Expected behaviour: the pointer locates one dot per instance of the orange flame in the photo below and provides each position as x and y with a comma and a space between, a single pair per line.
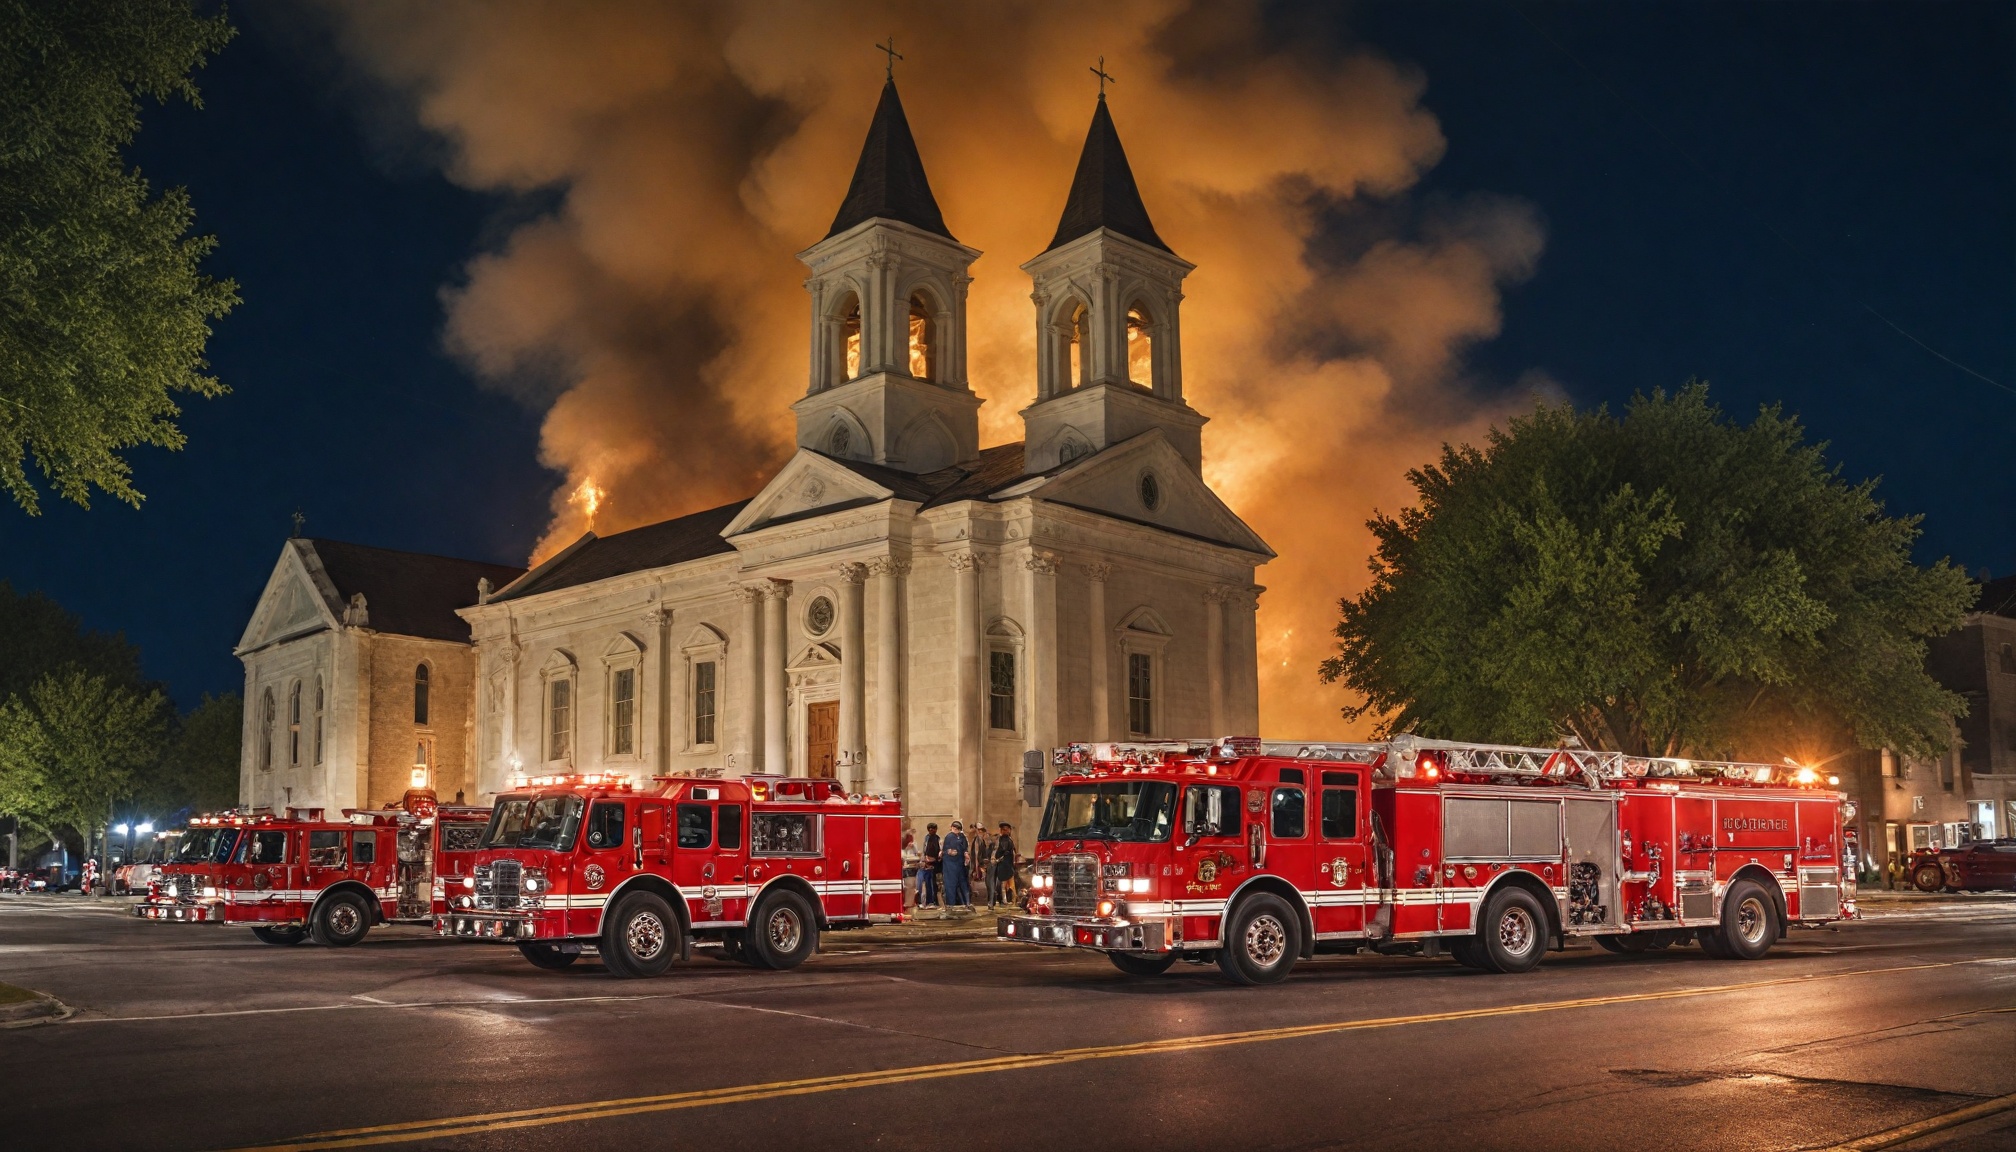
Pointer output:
588, 498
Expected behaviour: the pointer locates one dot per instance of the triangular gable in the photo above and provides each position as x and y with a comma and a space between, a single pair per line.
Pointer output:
299, 598
808, 482
1110, 482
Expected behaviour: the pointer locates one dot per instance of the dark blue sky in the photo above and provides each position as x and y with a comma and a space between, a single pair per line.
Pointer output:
1737, 192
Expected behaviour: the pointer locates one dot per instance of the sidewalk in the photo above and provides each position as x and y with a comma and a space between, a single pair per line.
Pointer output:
926, 927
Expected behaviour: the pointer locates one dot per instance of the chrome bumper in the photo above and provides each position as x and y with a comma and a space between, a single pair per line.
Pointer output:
1099, 935
209, 912
486, 926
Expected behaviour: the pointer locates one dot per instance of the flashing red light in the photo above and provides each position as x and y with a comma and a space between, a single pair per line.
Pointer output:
1427, 766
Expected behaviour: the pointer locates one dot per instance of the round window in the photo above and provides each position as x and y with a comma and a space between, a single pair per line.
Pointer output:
1151, 491
819, 616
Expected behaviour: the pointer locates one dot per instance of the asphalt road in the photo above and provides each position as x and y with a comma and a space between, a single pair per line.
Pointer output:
195, 1037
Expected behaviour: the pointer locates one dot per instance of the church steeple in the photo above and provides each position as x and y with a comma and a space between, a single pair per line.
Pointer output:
889, 181
888, 287
1109, 346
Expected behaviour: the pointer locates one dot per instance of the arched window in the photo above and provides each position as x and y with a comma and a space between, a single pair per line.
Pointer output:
420, 694
319, 707
1078, 348
850, 337
1140, 347
842, 441
266, 731
923, 339
294, 725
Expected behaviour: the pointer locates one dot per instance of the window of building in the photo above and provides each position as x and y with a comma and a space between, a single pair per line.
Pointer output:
623, 712
605, 826
819, 616
1140, 347
1290, 815
1150, 490
423, 761
294, 724
1078, 348
559, 719
841, 442
420, 694
923, 339
2009, 658
704, 702
266, 717
320, 705
1140, 694
850, 337
1001, 690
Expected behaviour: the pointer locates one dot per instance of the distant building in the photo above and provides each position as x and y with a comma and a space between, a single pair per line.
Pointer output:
1969, 793
359, 677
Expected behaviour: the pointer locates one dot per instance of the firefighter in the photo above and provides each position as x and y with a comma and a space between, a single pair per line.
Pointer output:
958, 883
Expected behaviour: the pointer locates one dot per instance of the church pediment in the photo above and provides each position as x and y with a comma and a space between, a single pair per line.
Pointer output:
807, 483
298, 599
1147, 481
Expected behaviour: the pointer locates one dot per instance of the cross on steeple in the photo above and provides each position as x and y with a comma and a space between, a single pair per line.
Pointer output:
299, 520
889, 50
1100, 72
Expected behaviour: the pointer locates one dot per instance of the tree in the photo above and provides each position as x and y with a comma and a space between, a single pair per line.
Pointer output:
198, 772
1667, 583
39, 636
104, 313
72, 745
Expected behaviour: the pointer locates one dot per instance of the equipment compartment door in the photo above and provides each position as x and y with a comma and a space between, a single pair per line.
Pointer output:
1592, 863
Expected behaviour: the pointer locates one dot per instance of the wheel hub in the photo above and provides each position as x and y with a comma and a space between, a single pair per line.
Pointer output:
784, 930
1750, 920
1266, 940
645, 935
1515, 931
343, 919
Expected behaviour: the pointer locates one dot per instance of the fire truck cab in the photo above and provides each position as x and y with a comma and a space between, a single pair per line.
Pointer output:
1258, 854
297, 875
757, 866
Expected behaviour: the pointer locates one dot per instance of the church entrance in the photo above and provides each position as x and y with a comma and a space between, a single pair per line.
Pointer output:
822, 738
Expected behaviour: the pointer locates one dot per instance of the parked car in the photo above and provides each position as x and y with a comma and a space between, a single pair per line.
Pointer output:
1984, 865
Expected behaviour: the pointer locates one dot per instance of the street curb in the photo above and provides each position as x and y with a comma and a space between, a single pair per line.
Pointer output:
43, 1009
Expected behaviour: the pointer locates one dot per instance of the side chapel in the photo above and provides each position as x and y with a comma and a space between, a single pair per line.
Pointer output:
899, 607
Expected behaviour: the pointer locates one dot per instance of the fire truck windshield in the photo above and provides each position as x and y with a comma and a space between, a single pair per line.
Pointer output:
1129, 810
205, 846
534, 822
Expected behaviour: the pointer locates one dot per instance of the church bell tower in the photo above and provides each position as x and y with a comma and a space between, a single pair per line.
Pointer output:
888, 287
1109, 347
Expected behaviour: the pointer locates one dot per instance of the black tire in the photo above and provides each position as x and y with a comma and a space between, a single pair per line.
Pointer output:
1613, 944
1629, 944
1512, 934
783, 933
1749, 922
1710, 940
1464, 950
640, 937
280, 935
732, 950
1262, 940
340, 920
1928, 877
548, 956
1141, 964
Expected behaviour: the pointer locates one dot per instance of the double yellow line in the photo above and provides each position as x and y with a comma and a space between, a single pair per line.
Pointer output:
710, 1097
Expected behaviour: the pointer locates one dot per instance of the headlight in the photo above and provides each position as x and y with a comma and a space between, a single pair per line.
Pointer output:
1040, 880
468, 881
170, 890
1108, 908
1138, 885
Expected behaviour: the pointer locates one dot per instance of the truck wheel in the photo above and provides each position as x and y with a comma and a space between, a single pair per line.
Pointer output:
1513, 932
280, 935
1141, 964
1613, 944
547, 956
341, 921
1263, 936
639, 937
1928, 877
784, 933
1749, 922
1463, 949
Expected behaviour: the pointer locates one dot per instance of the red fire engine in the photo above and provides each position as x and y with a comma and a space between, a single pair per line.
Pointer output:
1257, 855
757, 866
298, 875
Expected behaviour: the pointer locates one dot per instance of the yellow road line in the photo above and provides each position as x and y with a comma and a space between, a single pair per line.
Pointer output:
1904, 1133
449, 1126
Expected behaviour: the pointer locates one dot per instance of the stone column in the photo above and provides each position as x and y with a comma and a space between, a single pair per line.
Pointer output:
966, 682
1214, 656
749, 680
1041, 573
884, 756
1102, 645
853, 668
662, 755
1243, 687
776, 748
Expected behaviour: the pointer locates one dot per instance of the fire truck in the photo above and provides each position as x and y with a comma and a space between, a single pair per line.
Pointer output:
296, 875
756, 866
1258, 854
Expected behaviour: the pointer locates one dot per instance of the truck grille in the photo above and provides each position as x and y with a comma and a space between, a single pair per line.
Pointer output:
497, 885
1077, 879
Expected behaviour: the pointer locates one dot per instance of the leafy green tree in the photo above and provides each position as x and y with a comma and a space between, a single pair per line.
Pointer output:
74, 744
198, 771
39, 636
1666, 583
104, 312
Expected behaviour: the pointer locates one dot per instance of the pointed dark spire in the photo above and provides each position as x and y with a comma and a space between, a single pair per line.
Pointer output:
1103, 194
889, 180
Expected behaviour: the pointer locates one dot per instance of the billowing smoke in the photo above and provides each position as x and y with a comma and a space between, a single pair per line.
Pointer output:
657, 314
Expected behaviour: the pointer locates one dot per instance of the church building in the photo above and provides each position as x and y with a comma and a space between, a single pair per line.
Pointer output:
899, 607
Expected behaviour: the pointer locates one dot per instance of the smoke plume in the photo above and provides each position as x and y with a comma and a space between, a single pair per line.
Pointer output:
656, 311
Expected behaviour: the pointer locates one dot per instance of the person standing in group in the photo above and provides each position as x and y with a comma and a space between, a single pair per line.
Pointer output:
979, 853
927, 869
1004, 867
958, 886
911, 859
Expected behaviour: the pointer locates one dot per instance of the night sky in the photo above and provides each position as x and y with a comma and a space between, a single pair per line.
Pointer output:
1750, 194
